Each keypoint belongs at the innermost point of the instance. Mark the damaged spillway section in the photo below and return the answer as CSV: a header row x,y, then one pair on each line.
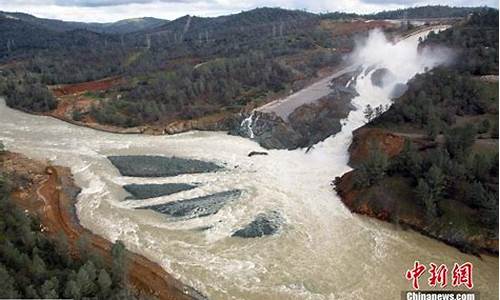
x,y
172,199
159,166
311,115
152,190
304,118
196,207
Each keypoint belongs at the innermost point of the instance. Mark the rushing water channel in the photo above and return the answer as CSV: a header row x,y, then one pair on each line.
x,y
321,252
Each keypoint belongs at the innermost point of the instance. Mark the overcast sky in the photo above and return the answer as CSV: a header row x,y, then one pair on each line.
x,y
113,10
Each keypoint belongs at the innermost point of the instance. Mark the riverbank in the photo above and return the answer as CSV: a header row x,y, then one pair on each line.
x,y
393,199
49,193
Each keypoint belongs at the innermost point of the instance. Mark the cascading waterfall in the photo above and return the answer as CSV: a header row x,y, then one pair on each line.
x,y
350,81
248,123
402,61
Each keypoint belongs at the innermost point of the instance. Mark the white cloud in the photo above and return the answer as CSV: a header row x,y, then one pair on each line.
x,y
112,10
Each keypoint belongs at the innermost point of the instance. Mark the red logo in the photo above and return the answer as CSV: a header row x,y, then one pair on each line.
x,y
415,273
461,274
438,275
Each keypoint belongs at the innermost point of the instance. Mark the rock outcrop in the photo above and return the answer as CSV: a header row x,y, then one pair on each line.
x,y
263,224
147,191
196,207
160,166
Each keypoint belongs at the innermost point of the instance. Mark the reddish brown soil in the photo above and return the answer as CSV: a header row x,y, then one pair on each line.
x,y
66,105
42,192
352,27
90,86
365,139
352,198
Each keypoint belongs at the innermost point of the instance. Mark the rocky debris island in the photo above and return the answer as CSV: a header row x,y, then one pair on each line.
x,y
146,191
263,224
196,207
160,166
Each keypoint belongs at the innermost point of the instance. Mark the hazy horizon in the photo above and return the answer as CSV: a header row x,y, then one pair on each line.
x,y
114,10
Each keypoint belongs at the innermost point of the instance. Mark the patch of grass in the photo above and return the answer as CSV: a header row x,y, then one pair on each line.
x,y
93,95
459,217
489,90
132,58
486,147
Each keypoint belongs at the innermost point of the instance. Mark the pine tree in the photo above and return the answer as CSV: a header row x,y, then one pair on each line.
x,y
459,141
424,194
432,129
62,248
436,181
118,267
38,268
104,281
430,189
30,292
82,245
49,288
91,270
369,113
7,284
72,290
85,283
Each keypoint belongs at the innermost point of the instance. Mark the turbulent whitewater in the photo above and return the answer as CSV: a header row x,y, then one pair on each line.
x,y
320,251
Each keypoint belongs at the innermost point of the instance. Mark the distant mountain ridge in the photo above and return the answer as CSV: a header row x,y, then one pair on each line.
x,y
131,25
119,27
21,32
240,24
429,11
250,17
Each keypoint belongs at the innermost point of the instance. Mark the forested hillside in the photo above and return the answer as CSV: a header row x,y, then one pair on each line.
x,y
476,42
121,27
430,11
32,265
180,70
184,69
